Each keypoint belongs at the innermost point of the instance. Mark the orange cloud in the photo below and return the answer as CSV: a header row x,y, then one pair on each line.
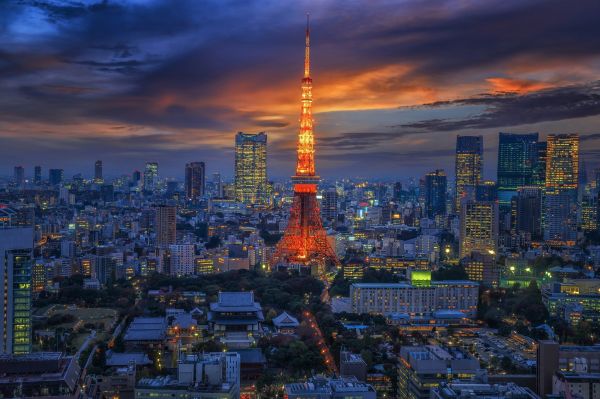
x,y
517,86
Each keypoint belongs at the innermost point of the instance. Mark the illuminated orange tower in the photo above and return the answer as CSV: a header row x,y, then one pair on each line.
x,y
305,240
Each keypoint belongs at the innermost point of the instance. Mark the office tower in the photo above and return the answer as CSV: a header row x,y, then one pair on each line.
x,y
16,253
562,179
98,172
19,176
517,163
37,175
194,180
589,213
540,169
329,204
478,227
483,267
527,213
217,185
166,225
305,243
468,165
562,162
55,176
251,168
435,193
150,176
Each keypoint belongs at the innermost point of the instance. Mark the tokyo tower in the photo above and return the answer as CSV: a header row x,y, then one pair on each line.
x,y
305,240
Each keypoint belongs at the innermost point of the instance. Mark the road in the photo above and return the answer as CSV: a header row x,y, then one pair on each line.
x,y
311,322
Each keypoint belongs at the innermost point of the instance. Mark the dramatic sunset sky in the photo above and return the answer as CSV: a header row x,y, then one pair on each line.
x,y
394,81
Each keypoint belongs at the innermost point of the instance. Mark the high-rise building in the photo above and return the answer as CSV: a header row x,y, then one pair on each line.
x,y
435,193
397,196
468,165
136,177
55,176
329,204
517,163
589,213
16,259
150,176
540,170
19,176
182,259
562,180
478,227
251,185
548,364
217,185
527,213
562,162
195,180
37,175
98,179
166,225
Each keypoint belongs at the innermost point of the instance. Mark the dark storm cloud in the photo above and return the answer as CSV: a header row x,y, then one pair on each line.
x,y
444,43
513,110
173,66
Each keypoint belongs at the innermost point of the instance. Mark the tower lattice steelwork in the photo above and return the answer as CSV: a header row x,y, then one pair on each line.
x,y
305,240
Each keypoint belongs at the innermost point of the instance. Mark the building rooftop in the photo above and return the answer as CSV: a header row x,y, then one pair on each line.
x,y
114,359
236,302
146,329
285,320
328,386
458,390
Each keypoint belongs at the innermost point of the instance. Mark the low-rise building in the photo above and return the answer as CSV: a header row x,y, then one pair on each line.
x,y
203,376
580,385
41,374
329,388
459,390
423,367
286,323
415,301
236,319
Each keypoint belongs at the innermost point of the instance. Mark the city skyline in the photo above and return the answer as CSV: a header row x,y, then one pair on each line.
x,y
392,93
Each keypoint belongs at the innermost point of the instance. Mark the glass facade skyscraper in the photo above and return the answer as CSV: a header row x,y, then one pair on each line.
x,y
16,253
435,193
468,165
251,185
517,163
195,180
562,180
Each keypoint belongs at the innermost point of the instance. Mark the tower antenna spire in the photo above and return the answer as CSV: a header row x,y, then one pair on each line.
x,y
307,48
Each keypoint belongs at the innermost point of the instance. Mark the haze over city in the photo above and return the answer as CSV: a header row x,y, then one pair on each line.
x,y
172,82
